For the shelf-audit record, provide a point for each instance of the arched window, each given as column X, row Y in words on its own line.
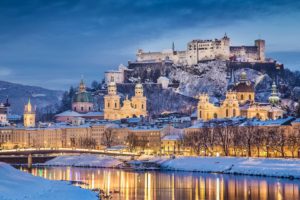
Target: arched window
column 81, row 108
column 142, row 106
column 108, row 104
column 75, row 108
column 200, row 114
column 250, row 97
column 227, row 114
column 115, row 105
column 89, row 108
column 234, row 112
column 242, row 97
column 215, row 115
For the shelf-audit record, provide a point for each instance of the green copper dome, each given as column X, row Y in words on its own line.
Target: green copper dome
column 83, row 97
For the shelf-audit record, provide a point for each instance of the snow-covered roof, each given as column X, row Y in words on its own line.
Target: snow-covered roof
column 68, row 113
column 171, row 137
column 296, row 120
column 92, row 114
column 277, row 122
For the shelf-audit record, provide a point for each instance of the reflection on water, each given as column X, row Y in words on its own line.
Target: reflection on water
column 129, row 185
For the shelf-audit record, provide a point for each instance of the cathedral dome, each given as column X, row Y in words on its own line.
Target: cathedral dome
column 83, row 97
column 243, row 87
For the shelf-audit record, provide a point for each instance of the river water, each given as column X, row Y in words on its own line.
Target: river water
column 157, row 185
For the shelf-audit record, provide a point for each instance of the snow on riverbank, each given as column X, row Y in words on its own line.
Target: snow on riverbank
column 85, row 161
column 247, row 166
column 17, row 185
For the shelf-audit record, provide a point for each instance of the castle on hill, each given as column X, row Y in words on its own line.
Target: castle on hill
column 201, row 50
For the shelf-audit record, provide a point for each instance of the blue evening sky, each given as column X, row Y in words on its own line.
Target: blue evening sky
column 52, row 43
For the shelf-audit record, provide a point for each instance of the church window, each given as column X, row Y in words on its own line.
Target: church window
column 227, row 114
column 215, row 115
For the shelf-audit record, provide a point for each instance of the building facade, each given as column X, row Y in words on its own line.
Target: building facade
column 136, row 107
column 201, row 50
column 240, row 102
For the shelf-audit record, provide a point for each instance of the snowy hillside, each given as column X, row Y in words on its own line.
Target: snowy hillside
column 18, row 95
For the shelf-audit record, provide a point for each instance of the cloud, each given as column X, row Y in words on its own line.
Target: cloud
column 4, row 72
column 75, row 37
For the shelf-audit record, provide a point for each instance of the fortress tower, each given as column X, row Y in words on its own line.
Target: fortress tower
column 260, row 44
column 29, row 115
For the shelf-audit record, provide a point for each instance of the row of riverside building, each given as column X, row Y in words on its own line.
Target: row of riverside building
column 154, row 138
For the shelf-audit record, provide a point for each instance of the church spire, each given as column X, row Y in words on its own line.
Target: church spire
column 82, row 87
column 173, row 46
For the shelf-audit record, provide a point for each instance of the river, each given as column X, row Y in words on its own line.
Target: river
column 158, row 185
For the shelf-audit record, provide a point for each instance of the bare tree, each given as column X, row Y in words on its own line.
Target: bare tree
column 258, row 139
column 237, row 140
column 280, row 139
column 132, row 141
column 293, row 142
column 248, row 131
column 269, row 138
column 108, row 137
column 88, row 142
column 225, row 132
column 195, row 140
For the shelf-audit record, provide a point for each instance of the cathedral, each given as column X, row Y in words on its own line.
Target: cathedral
column 240, row 102
column 82, row 101
column 136, row 107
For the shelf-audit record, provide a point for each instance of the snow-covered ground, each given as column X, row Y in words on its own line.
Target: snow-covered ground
column 17, row 185
column 85, row 161
column 248, row 166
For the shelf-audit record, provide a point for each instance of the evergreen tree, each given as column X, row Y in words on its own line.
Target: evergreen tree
column 298, row 109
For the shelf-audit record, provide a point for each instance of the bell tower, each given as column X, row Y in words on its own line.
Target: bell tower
column 111, row 102
column 29, row 115
column 139, row 101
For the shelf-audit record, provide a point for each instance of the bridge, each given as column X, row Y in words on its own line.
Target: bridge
column 44, row 151
column 41, row 155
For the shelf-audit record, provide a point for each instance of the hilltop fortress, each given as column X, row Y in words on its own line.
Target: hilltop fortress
column 202, row 50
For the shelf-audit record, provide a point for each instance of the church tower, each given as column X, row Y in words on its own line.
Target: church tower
column 274, row 98
column 111, row 102
column 139, row 101
column 29, row 115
